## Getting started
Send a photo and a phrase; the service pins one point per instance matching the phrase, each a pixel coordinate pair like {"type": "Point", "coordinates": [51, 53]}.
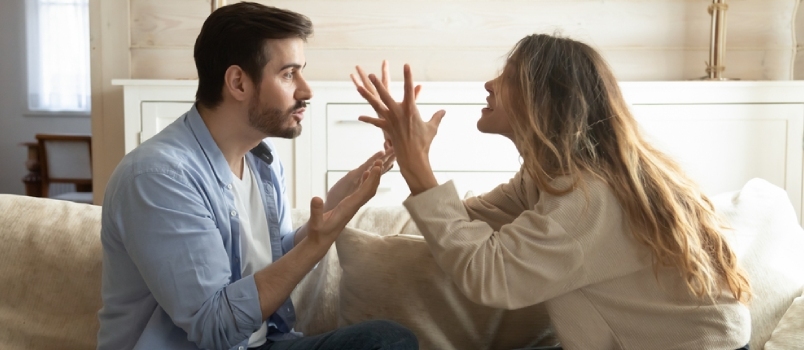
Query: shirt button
{"type": "Point", "coordinates": [229, 186]}
{"type": "Point", "coordinates": [234, 213]}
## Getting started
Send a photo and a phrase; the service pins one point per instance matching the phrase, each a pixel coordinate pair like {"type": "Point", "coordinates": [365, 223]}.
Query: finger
{"type": "Point", "coordinates": [385, 97]}
{"type": "Point", "coordinates": [386, 74]}
{"type": "Point", "coordinates": [437, 117]}
{"type": "Point", "coordinates": [368, 187]}
{"type": "Point", "coordinates": [389, 159]}
{"type": "Point", "coordinates": [409, 94]}
{"type": "Point", "coordinates": [349, 206]}
{"type": "Point", "coordinates": [416, 91]}
{"type": "Point", "coordinates": [388, 164]}
{"type": "Point", "coordinates": [373, 100]}
{"type": "Point", "coordinates": [374, 157]}
{"type": "Point", "coordinates": [389, 153]}
{"type": "Point", "coordinates": [380, 123]}
{"type": "Point", "coordinates": [366, 83]}
{"type": "Point", "coordinates": [316, 214]}
{"type": "Point", "coordinates": [354, 80]}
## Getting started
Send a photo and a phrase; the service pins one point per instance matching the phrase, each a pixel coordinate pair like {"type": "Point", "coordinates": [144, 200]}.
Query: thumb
{"type": "Point", "coordinates": [316, 214]}
{"type": "Point", "coordinates": [436, 119]}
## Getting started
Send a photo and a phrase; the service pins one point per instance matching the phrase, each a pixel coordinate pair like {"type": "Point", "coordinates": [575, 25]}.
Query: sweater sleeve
{"type": "Point", "coordinates": [500, 206]}
{"type": "Point", "coordinates": [548, 250]}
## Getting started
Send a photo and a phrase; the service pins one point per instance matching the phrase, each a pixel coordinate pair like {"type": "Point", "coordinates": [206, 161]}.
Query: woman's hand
{"type": "Point", "coordinates": [364, 82]}
{"type": "Point", "coordinates": [410, 135]}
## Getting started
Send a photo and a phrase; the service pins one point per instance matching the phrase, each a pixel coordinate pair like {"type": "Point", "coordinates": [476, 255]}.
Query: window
{"type": "Point", "coordinates": [58, 55]}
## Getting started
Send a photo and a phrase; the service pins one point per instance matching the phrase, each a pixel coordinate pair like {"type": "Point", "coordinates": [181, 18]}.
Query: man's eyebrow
{"type": "Point", "coordinates": [293, 65]}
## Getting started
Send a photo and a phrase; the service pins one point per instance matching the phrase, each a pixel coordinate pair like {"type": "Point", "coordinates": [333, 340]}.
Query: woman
{"type": "Point", "coordinates": [622, 247]}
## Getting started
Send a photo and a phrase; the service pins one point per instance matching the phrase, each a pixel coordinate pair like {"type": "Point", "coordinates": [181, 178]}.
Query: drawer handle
{"type": "Point", "coordinates": [351, 121]}
{"type": "Point", "coordinates": [384, 189]}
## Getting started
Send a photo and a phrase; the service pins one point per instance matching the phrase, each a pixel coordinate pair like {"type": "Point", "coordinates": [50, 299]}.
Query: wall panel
{"type": "Point", "coordinates": [465, 39]}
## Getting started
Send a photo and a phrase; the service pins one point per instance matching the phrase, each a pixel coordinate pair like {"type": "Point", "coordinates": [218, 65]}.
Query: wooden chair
{"type": "Point", "coordinates": [66, 159]}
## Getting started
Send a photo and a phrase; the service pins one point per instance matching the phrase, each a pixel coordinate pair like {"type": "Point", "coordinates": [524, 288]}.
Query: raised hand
{"type": "Point", "coordinates": [349, 183]}
{"type": "Point", "coordinates": [411, 136]}
{"type": "Point", "coordinates": [362, 80]}
{"type": "Point", "coordinates": [324, 227]}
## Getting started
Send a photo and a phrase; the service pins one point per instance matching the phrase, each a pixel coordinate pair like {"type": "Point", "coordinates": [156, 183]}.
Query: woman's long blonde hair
{"type": "Point", "coordinates": [569, 119]}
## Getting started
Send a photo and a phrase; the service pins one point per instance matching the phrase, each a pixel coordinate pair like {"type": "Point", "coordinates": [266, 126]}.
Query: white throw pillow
{"type": "Point", "coordinates": [396, 278]}
{"type": "Point", "coordinates": [769, 244]}
{"type": "Point", "coordinates": [789, 334]}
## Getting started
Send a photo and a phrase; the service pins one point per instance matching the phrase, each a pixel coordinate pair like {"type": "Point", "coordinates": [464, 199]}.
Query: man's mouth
{"type": "Point", "coordinates": [298, 114]}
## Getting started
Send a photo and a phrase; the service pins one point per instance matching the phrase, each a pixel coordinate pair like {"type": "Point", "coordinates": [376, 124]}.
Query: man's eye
{"type": "Point", "coordinates": [289, 75]}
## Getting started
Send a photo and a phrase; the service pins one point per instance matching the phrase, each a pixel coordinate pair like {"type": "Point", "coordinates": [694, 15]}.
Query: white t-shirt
{"type": "Point", "coordinates": [255, 241]}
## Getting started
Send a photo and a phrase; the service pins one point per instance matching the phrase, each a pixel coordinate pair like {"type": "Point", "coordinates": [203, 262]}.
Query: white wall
{"type": "Point", "coordinates": [15, 125]}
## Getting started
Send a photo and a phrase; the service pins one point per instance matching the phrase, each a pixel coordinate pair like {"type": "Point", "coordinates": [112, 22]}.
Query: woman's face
{"type": "Point", "coordinates": [494, 118]}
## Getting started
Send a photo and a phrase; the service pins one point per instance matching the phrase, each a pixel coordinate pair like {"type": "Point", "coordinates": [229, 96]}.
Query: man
{"type": "Point", "coordinates": [198, 246]}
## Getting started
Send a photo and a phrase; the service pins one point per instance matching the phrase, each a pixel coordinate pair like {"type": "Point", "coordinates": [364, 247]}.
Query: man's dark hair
{"type": "Point", "coordinates": [236, 35]}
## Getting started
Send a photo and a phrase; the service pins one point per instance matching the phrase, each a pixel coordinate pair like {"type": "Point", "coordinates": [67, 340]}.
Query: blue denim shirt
{"type": "Point", "coordinates": [171, 246]}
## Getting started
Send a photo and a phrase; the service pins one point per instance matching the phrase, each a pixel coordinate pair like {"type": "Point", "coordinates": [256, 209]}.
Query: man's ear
{"type": "Point", "coordinates": [237, 84]}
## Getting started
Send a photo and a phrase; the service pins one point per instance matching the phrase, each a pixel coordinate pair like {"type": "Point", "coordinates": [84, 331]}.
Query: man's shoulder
{"type": "Point", "coordinates": [174, 151]}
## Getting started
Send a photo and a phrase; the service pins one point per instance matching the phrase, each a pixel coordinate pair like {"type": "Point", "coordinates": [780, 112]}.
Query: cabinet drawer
{"type": "Point", "coordinates": [457, 147]}
{"type": "Point", "coordinates": [393, 190]}
{"type": "Point", "coordinates": [722, 146]}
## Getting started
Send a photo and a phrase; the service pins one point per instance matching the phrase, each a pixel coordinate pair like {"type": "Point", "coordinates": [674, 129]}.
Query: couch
{"type": "Point", "coordinates": [380, 267]}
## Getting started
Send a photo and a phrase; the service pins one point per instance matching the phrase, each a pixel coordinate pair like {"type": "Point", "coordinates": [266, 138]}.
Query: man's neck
{"type": "Point", "coordinates": [229, 128]}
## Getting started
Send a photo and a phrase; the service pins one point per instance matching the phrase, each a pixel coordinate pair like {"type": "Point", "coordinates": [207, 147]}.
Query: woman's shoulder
{"type": "Point", "coordinates": [588, 204]}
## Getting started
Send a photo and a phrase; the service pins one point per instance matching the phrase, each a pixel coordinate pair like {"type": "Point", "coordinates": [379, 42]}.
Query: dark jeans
{"type": "Point", "coordinates": [370, 335]}
{"type": "Point", "coordinates": [559, 348]}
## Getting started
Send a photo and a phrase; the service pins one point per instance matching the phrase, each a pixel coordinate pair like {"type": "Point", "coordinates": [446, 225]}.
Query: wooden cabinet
{"type": "Point", "coordinates": [722, 133]}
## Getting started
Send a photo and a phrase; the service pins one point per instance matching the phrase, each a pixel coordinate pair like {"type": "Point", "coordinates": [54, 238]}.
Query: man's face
{"type": "Point", "coordinates": [279, 101]}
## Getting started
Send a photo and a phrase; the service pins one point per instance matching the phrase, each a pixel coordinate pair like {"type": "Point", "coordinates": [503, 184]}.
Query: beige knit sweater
{"type": "Point", "coordinates": [515, 247]}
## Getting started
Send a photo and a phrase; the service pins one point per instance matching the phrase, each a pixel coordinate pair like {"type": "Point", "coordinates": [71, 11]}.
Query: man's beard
{"type": "Point", "coordinates": [273, 121]}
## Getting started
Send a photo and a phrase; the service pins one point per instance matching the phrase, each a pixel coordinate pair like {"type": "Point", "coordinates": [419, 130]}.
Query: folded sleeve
{"type": "Point", "coordinates": [499, 206]}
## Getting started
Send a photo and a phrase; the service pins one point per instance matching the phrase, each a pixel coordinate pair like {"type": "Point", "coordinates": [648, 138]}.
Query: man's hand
{"type": "Point", "coordinates": [352, 194]}
{"type": "Point", "coordinates": [276, 281]}
{"type": "Point", "coordinates": [349, 183]}
{"type": "Point", "coordinates": [324, 227]}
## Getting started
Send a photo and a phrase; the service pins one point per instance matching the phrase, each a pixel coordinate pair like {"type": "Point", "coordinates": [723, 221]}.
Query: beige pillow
{"type": "Point", "coordinates": [396, 278]}
{"type": "Point", "coordinates": [768, 241]}
{"type": "Point", "coordinates": [316, 296]}
{"type": "Point", "coordinates": [789, 334]}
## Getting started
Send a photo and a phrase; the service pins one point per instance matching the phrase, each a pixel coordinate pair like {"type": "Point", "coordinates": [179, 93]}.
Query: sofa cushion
{"type": "Point", "coordinates": [317, 296]}
{"type": "Point", "coordinates": [395, 277]}
{"type": "Point", "coordinates": [51, 273]}
{"type": "Point", "coordinates": [789, 333]}
{"type": "Point", "coordinates": [768, 241]}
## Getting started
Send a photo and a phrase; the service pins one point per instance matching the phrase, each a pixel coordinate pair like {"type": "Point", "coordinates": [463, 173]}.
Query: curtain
{"type": "Point", "coordinates": [58, 55]}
